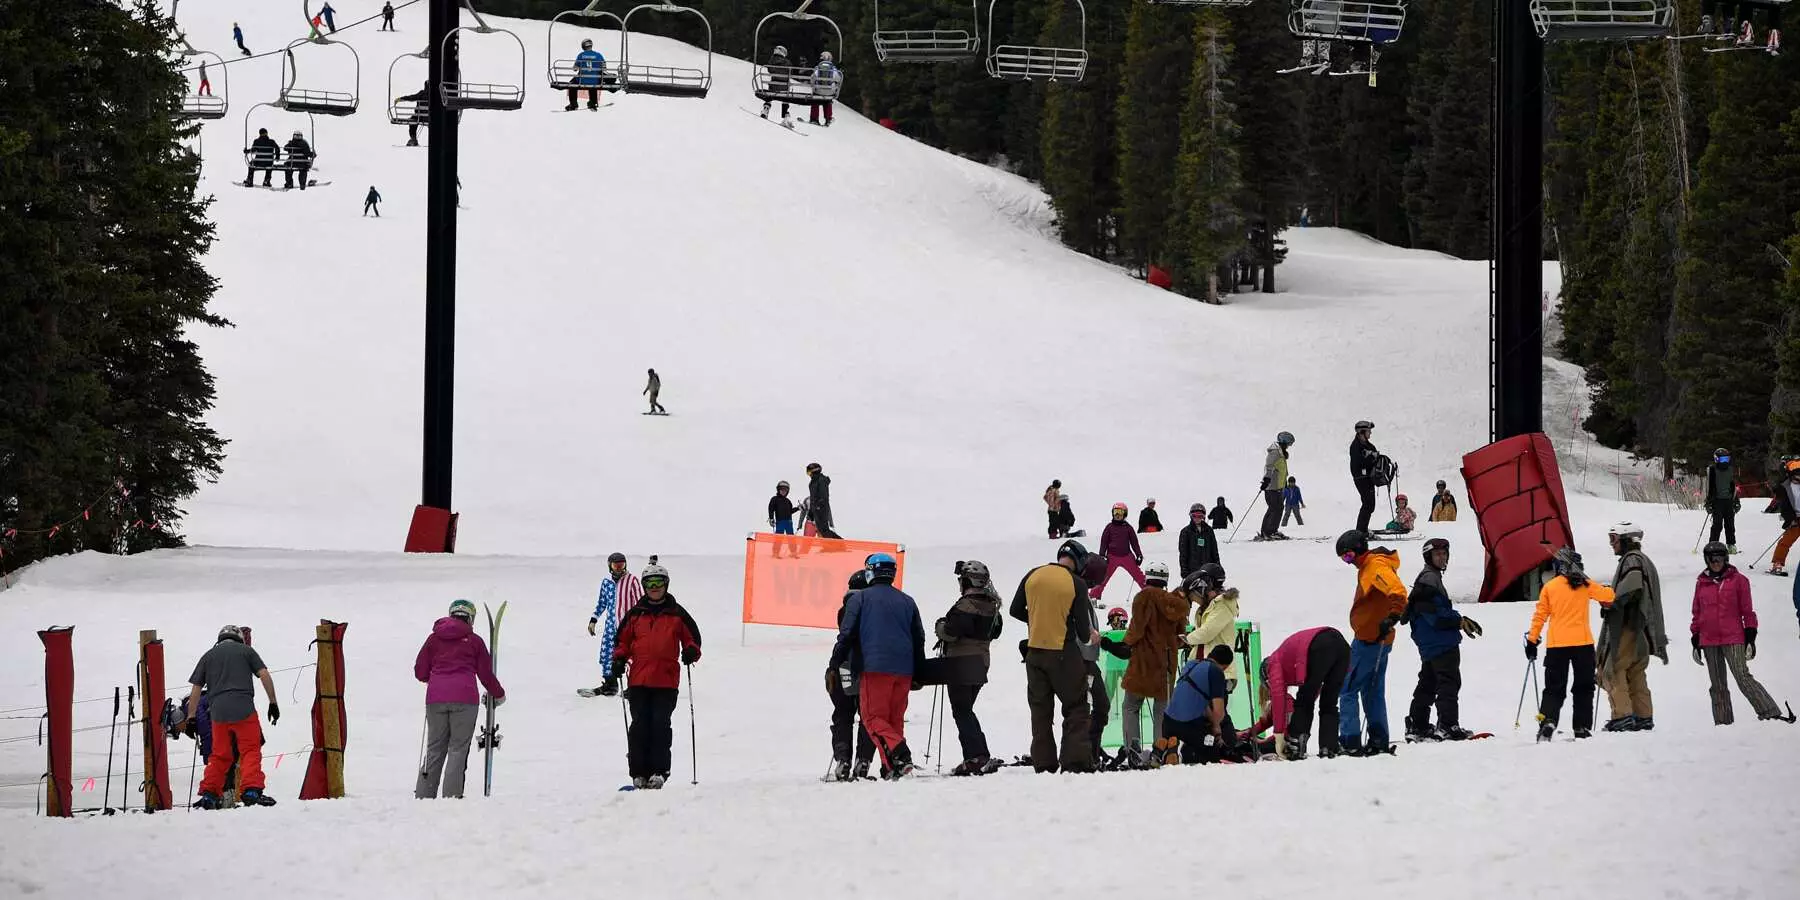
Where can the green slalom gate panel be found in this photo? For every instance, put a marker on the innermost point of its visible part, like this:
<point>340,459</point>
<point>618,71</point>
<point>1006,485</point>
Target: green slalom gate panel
<point>1243,707</point>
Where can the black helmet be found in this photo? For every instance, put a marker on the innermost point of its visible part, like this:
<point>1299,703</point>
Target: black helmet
<point>1434,545</point>
<point>859,579</point>
<point>1208,577</point>
<point>1075,552</point>
<point>1285,439</point>
<point>615,558</point>
<point>1352,542</point>
<point>1715,549</point>
<point>1364,425</point>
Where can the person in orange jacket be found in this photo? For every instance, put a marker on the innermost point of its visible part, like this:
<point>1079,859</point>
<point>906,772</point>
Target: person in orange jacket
<point>1380,599</point>
<point>1563,603</point>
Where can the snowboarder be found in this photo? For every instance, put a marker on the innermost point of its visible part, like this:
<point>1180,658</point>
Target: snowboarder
<point>237,37</point>
<point>372,202</point>
<point>1065,518</point>
<point>1437,630</point>
<point>450,663</point>
<point>652,388</point>
<point>1119,545</point>
<point>1723,634</point>
<point>818,501</point>
<point>1722,499</point>
<point>1315,662</point>
<point>781,510</point>
<point>1443,504</point>
<point>965,631</point>
<point>780,71</point>
<point>226,674</point>
<point>330,16</point>
<point>299,161</point>
<point>1053,506</point>
<point>1196,720</point>
<point>1405,517</point>
<point>387,16</point>
<point>1150,641</point>
<point>1292,502</point>
<point>843,685</point>
<point>1363,457</point>
<point>1631,631</point>
<point>1563,602</point>
<point>1197,542</point>
<point>1275,476</point>
<point>1380,599</point>
<point>1059,621</point>
<point>263,154</point>
<point>205,82</point>
<point>656,638</point>
<point>590,68</point>
<point>1787,503</point>
<point>619,592</point>
<point>1215,621</point>
<point>882,623</point>
<point>1221,516</point>
<point>826,79</point>
<point>1148,520</point>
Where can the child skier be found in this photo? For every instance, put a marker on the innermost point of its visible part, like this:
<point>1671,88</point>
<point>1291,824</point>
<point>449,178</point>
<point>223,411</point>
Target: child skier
<point>842,685</point>
<point>1148,521</point>
<point>450,663</point>
<point>619,592</point>
<point>1443,504</point>
<point>1724,635</point>
<point>226,674</point>
<point>1221,516</point>
<point>1197,542</point>
<point>1315,662</point>
<point>1405,517</point>
<point>965,631</point>
<point>656,638</point>
<point>781,510</point>
<point>371,201</point>
<point>1149,644</point>
<point>1437,630</point>
<point>1563,603</point>
<point>1119,544</point>
<point>1196,720</point>
<point>1380,599</point>
<point>882,622</point>
<point>1292,503</point>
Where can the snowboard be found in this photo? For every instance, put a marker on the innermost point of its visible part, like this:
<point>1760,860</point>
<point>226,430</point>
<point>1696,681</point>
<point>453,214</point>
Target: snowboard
<point>489,739</point>
<point>1477,736</point>
<point>1758,47</point>
<point>788,128</point>
<point>587,692</point>
<point>1315,68</point>
<point>655,414</point>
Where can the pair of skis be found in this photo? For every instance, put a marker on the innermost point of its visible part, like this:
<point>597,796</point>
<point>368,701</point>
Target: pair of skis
<point>488,738</point>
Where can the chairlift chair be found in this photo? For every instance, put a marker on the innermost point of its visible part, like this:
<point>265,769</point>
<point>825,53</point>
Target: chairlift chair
<point>1603,20</point>
<point>1018,62</point>
<point>294,98</point>
<point>1362,21</point>
<point>195,105</point>
<point>929,46</point>
<point>311,131</point>
<point>562,72</point>
<point>665,81</point>
<point>461,95</point>
<point>796,85</point>
<point>402,110</point>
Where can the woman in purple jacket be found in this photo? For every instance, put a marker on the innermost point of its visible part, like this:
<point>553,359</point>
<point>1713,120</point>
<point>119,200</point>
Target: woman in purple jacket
<point>1724,635</point>
<point>449,664</point>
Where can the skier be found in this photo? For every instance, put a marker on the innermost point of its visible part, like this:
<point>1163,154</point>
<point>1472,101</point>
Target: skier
<point>1380,599</point>
<point>205,82</point>
<point>656,638</point>
<point>225,672</point>
<point>1405,517</point>
<point>882,622</point>
<point>826,80</point>
<point>1197,542</point>
<point>590,66</point>
<point>370,202</point>
<point>421,114</point>
<point>1443,504</point>
<point>818,501</point>
<point>1058,622</point>
<point>1363,456</point>
<point>1631,631</point>
<point>387,16</point>
<point>1065,518</point>
<point>1787,503</point>
<point>1053,506</point>
<point>1119,545</point>
<point>299,160</point>
<point>450,663</point>
<point>619,592</point>
<point>237,37</point>
<point>1437,630</point>
<point>330,16</point>
<point>1215,622</point>
<point>1722,499</point>
<point>1148,520</point>
<point>781,510</point>
<point>1196,720</point>
<point>965,631</point>
<point>1740,22</point>
<point>1149,643</point>
<point>318,22</point>
<point>263,153</point>
<point>1314,662</point>
<point>1723,634</point>
<point>843,685</point>
<point>780,71</point>
<point>1275,476</point>
<point>652,388</point>
<point>1093,570</point>
<point>1221,516</point>
<point>1292,503</point>
<point>1563,602</point>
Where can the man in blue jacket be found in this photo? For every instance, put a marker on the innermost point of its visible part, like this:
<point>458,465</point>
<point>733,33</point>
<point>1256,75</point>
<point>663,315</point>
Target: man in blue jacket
<point>1438,631</point>
<point>882,623</point>
<point>590,66</point>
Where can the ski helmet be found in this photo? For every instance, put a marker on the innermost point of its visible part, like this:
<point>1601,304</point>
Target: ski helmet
<point>1565,561</point>
<point>974,573</point>
<point>1157,572</point>
<point>859,579</point>
<point>587,43</point>
<point>1722,455</point>
<point>1149,501</point>
<point>825,56</point>
<point>615,559</point>
<point>231,633</point>
<point>297,135</point>
<point>1364,425</point>
<point>1433,546</point>
<point>1074,551</point>
<point>1627,533</point>
<point>1198,509</point>
<point>1285,439</point>
<point>782,485</point>
<point>1352,544</point>
<point>782,51</point>
<point>813,466</point>
<point>1440,485</point>
<point>1715,550</point>
<point>462,609</point>
<point>1400,499</point>
<point>1214,575</point>
<point>882,567</point>
<point>1121,508</point>
<point>654,576</point>
<point>1117,612</point>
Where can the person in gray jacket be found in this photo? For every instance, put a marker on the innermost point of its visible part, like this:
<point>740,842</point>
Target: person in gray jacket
<point>964,634</point>
<point>1631,631</point>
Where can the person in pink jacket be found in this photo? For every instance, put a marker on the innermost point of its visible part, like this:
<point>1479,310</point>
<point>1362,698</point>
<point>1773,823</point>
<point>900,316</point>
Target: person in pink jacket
<point>1724,635</point>
<point>1315,662</point>
<point>1119,544</point>
<point>453,659</point>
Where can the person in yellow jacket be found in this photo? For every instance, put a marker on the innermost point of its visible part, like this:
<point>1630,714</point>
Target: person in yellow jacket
<point>1380,599</point>
<point>1215,622</point>
<point>1563,604</point>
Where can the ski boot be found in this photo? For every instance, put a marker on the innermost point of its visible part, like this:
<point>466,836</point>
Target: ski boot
<point>861,773</point>
<point>840,770</point>
<point>1294,748</point>
<point>901,763</point>
<point>1583,734</point>
<point>208,801</point>
<point>765,109</point>
<point>1546,730</point>
<point>1780,571</point>
<point>971,766</point>
<point>1454,733</point>
<point>1420,733</point>
<point>255,797</point>
<point>1351,747</point>
<point>656,782</point>
<point>1378,748</point>
<point>1622,723</point>
<point>638,782</point>
<point>569,108</point>
<point>1644,723</point>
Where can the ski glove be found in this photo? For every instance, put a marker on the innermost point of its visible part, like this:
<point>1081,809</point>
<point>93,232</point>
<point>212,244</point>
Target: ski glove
<point>491,700</point>
<point>1471,627</point>
<point>609,687</point>
<point>1749,643</point>
<point>591,624</point>
<point>1530,649</point>
<point>274,712</point>
<point>690,655</point>
<point>1387,628</point>
<point>1695,640</point>
<point>1265,484</point>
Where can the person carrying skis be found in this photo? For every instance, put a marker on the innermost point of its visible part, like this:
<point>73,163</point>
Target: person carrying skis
<point>1059,621</point>
<point>227,673</point>
<point>1221,516</point>
<point>652,388</point>
<point>818,501</point>
<point>619,592</point>
<point>1275,476</point>
<point>882,622</point>
<point>1380,599</point>
<point>1053,507</point>
<point>1631,631</point>
<point>237,37</point>
<point>590,67</point>
<point>843,685</point>
<point>781,510</point>
<point>1443,504</point>
<point>780,79</point>
<point>1722,499</point>
<point>1148,521</point>
<point>1723,634</point>
<point>1437,630</point>
<point>1149,644</point>
<point>370,202</point>
<point>1405,517</point>
<point>387,16</point>
<point>827,80</point>
<point>263,153</point>
<point>1563,603</point>
<point>1787,503</point>
<point>1292,503</point>
<point>299,160</point>
<point>450,663</point>
<point>1315,662</point>
<point>330,16</point>
<point>1119,545</point>
<point>1215,621</point>
<point>1197,543</point>
<point>656,638</point>
<point>965,632</point>
<point>1197,721</point>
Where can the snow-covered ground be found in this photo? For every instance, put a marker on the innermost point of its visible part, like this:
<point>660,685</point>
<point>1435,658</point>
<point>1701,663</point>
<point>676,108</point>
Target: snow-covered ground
<point>900,316</point>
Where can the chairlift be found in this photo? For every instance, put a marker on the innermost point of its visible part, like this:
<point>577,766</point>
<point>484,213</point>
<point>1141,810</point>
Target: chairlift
<point>1603,20</point>
<point>665,81</point>
<point>1361,21</point>
<point>461,95</point>
<point>797,85</point>
<point>217,100</point>
<point>311,132</point>
<point>1018,62</point>
<point>413,108</point>
<point>929,46</point>
<point>563,73</point>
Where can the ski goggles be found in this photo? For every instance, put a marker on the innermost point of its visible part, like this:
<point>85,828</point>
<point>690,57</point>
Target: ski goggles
<point>654,582</point>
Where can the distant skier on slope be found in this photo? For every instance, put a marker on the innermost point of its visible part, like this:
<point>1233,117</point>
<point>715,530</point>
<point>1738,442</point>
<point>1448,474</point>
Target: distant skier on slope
<point>1221,516</point>
<point>1275,476</point>
<point>1119,546</point>
<point>818,501</point>
<point>387,17</point>
<point>450,663</point>
<point>237,37</point>
<point>1722,499</point>
<point>330,16</point>
<point>371,201</point>
<point>1148,521</point>
<point>781,510</point>
<point>843,685</point>
<point>1443,504</point>
<point>656,638</point>
<point>1631,632</point>
<point>883,623</point>
<point>1053,506</point>
<point>1197,543</point>
<point>1292,502</point>
<point>1437,630</point>
<point>651,389</point>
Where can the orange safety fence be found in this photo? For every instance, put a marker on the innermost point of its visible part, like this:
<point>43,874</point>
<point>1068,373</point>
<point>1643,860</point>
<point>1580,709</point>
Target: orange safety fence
<point>794,580</point>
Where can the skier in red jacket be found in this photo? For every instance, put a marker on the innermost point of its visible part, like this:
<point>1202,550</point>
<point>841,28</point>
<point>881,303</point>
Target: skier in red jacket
<point>656,638</point>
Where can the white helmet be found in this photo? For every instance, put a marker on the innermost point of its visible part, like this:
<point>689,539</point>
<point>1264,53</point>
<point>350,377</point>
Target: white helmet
<point>1627,531</point>
<point>780,50</point>
<point>587,43</point>
<point>297,135</point>
<point>1155,571</point>
<point>825,56</point>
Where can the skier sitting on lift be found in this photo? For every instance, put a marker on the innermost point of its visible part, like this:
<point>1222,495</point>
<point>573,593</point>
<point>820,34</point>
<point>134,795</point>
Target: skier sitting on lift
<point>590,67</point>
<point>421,112</point>
<point>299,159</point>
<point>263,153</point>
<point>779,71</point>
<point>826,79</point>
<point>1739,21</point>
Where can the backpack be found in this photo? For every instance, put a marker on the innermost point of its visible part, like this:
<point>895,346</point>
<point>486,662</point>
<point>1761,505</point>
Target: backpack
<point>1384,471</point>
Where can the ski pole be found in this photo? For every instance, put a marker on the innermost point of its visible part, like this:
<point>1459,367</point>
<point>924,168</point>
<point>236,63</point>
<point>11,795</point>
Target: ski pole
<point>424,726</point>
<point>112,741</point>
<point>1765,552</point>
<point>125,769</point>
<point>1240,524</point>
<point>693,731</point>
<point>1537,696</point>
<point>940,739</point>
<point>625,716</point>
<point>1697,535</point>
<point>193,769</point>
<point>1524,681</point>
<point>931,720</point>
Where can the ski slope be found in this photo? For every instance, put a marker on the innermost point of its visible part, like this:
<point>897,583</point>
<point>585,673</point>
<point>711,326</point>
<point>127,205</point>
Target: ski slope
<point>903,317</point>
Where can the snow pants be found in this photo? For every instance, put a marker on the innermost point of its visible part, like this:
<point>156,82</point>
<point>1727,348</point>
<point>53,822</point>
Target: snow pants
<point>784,526</point>
<point>1195,747</point>
<point>1271,520</point>
<point>813,116</point>
<point>651,735</point>
<point>1724,517</point>
<point>1622,677</point>
<point>240,742</point>
<point>884,698</point>
<point>968,728</point>
<point>1783,545</point>
<point>1134,716</point>
<point>1718,660</point>
<point>1099,705</point>
<point>1058,676</point>
<point>1292,512</point>
<point>1327,663</point>
<point>1440,681</point>
<point>1114,564</point>
<point>303,169</point>
<point>843,719</point>
<point>1365,488</point>
<point>449,727</point>
<point>1557,663</point>
<point>371,205</point>
<point>1365,691</point>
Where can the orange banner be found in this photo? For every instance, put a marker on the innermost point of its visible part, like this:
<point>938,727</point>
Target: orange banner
<point>791,580</point>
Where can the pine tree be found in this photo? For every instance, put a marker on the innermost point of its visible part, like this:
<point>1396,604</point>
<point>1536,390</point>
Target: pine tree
<point>1207,217</point>
<point>1078,130</point>
<point>1271,144</point>
<point>1158,64</point>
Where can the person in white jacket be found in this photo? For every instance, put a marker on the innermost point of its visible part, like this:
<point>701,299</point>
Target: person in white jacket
<point>827,81</point>
<point>1215,622</point>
